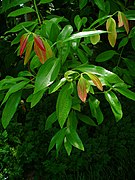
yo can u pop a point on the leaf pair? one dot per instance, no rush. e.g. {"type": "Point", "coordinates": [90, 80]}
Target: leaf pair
{"type": "Point", "coordinates": [41, 48]}
{"type": "Point", "coordinates": [82, 86]}
{"type": "Point", "coordinates": [111, 27]}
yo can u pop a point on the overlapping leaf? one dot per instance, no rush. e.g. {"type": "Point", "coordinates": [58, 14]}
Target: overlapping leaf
{"type": "Point", "coordinates": [82, 89]}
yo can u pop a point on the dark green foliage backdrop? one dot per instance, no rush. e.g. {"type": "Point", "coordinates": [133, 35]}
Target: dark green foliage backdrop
{"type": "Point", "coordinates": [109, 147]}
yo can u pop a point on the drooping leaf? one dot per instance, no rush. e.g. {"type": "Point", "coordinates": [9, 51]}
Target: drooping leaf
{"type": "Point", "coordinates": [126, 92]}
{"type": "Point", "coordinates": [95, 109]}
{"type": "Point", "coordinates": [74, 139]}
{"type": "Point", "coordinates": [86, 119]}
{"type": "Point", "coordinates": [40, 53]}
{"type": "Point", "coordinates": [122, 20]}
{"type": "Point", "coordinates": [57, 139]}
{"type": "Point", "coordinates": [64, 103]}
{"type": "Point", "coordinates": [82, 89]}
{"type": "Point", "coordinates": [36, 97]}
{"type": "Point", "coordinates": [50, 120]}
{"type": "Point", "coordinates": [28, 52]}
{"type": "Point", "coordinates": [39, 42]}
{"type": "Point", "coordinates": [47, 74]}
{"type": "Point", "coordinates": [21, 11]}
{"type": "Point", "coordinates": [111, 28]}
{"type": "Point", "coordinates": [67, 146]}
{"type": "Point", "coordinates": [23, 42]}
{"type": "Point", "coordinates": [95, 80]}
{"type": "Point", "coordinates": [115, 105]}
{"type": "Point", "coordinates": [106, 55]}
{"type": "Point", "coordinates": [10, 108]}
{"type": "Point", "coordinates": [14, 89]}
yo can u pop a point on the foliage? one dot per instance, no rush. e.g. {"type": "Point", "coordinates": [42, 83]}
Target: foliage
{"type": "Point", "coordinates": [70, 57]}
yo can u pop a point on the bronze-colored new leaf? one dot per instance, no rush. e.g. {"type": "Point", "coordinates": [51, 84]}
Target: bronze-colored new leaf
{"type": "Point", "coordinates": [111, 28]}
{"type": "Point", "coordinates": [82, 89]}
{"type": "Point", "coordinates": [96, 81]}
{"type": "Point", "coordinates": [123, 21]}
{"type": "Point", "coordinates": [28, 52]}
{"type": "Point", "coordinates": [23, 42]}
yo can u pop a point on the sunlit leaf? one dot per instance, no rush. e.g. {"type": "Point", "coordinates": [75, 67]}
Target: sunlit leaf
{"type": "Point", "coordinates": [95, 80]}
{"type": "Point", "coordinates": [111, 28]}
{"type": "Point", "coordinates": [40, 53]}
{"type": "Point", "coordinates": [115, 104]}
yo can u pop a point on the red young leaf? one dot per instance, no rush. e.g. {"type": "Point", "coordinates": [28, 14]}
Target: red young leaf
{"type": "Point", "coordinates": [23, 42]}
{"type": "Point", "coordinates": [28, 51]}
{"type": "Point", "coordinates": [40, 53]}
{"type": "Point", "coordinates": [81, 89]}
{"type": "Point", "coordinates": [38, 41]}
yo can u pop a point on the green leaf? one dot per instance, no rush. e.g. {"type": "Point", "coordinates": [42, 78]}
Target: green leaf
{"type": "Point", "coordinates": [45, 1]}
{"type": "Point", "coordinates": [57, 85]}
{"type": "Point", "coordinates": [35, 63]}
{"type": "Point", "coordinates": [65, 33]}
{"type": "Point", "coordinates": [95, 109]}
{"type": "Point", "coordinates": [21, 11]}
{"type": "Point", "coordinates": [100, 4]}
{"type": "Point", "coordinates": [36, 97]}
{"type": "Point", "coordinates": [64, 51]}
{"type": "Point", "coordinates": [82, 3]}
{"type": "Point", "coordinates": [123, 42]}
{"type": "Point", "coordinates": [10, 108]}
{"type": "Point", "coordinates": [20, 26]}
{"type": "Point", "coordinates": [126, 92]}
{"type": "Point", "coordinates": [72, 120]}
{"type": "Point", "coordinates": [111, 28]}
{"type": "Point", "coordinates": [67, 146]}
{"type": "Point", "coordinates": [95, 39]}
{"type": "Point", "coordinates": [115, 105]}
{"type": "Point", "coordinates": [100, 20]}
{"type": "Point", "coordinates": [105, 56]}
{"type": "Point", "coordinates": [82, 56]}
{"type": "Point", "coordinates": [14, 89]}
{"type": "Point", "coordinates": [74, 139]}
{"type": "Point", "coordinates": [100, 71]}
{"type": "Point", "coordinates": [50, 120]}
{"type": "Point", "coordinates": [64, 103]}
{"type": "Point", "coordinates": [84, 34]}
{"type": "Point", "coordinates": [78, 22]}
{"type": "Point", "coordinates": [57, 139]}
{"type": "Point", "coordinates": [86, 119]}
{"type": "Point", "coordinates": [47, 74]}
{"type": "Point", "coordinates": [54, 32]}
{"type": "Point", "coordinates": [24, 73]}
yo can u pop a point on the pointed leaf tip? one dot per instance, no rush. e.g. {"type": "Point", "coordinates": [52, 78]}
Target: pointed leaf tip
{"type": "Point", "coordinates": [38, 41]}
{"type": "Point", "coordinates": [23, 42]}
{"type": "Point", "coordinates": [81, 89]}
